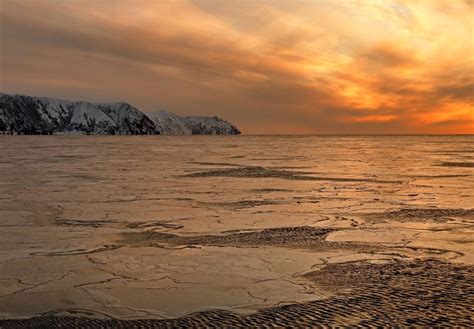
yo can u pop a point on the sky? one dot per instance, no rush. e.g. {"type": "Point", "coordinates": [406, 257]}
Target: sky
{"type": "Point", "coordinates": [269, 66]}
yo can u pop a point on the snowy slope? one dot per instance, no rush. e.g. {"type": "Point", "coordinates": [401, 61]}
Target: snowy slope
{"type": "Point", "coordinates": [127, 118]}
{"type": "Point", "coordinates": [87, 117]}
{"type": "Point", "coordinates": [211, 126]}
{"type": "Point", "coordinates": [168, 123]}
{"type": "Point", "coordinates": [22, 114]}
{"type": "Point", "coordinates": [39, 115]}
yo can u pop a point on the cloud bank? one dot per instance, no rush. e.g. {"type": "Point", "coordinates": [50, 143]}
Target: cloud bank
{"type": "Point", "coordinates": [270, 66]}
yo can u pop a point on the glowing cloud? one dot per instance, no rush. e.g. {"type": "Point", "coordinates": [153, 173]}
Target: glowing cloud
{"type": "Point", "coordinates": [274, 66]}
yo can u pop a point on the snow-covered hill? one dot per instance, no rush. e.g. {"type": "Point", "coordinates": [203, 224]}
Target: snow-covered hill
{"type": "Point", "coordinates": [211, 126]}
{"type": "Point", "coordinates": [168, 123]}
{"type": "Point", "coordinates": [20, 114]}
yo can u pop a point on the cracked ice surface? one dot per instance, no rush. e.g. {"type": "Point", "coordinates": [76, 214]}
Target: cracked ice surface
{"type": "Point", "coordinates": [157, 227]}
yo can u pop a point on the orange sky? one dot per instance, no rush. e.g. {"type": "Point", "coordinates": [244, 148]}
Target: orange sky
{"type": "Point", "coordinates": [269, 66]}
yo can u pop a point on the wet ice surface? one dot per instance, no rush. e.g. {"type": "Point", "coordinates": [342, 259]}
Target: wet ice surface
{"type": "Point", "coordinates": [159, 227]}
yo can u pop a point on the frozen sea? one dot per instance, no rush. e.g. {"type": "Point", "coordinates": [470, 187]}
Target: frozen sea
{"type": "Point", "coordinates": [158, 227]}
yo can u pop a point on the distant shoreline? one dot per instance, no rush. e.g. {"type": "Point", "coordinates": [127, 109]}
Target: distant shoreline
{"type": "Point", "coordinates": [246, 135]}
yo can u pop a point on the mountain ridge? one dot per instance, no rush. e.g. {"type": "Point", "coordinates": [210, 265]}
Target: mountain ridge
{"type": "Point", "coordinates": [31, 115]}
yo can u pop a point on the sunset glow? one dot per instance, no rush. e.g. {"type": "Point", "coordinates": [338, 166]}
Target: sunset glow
{"type": "Point", "coordinates": [313, 66]}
